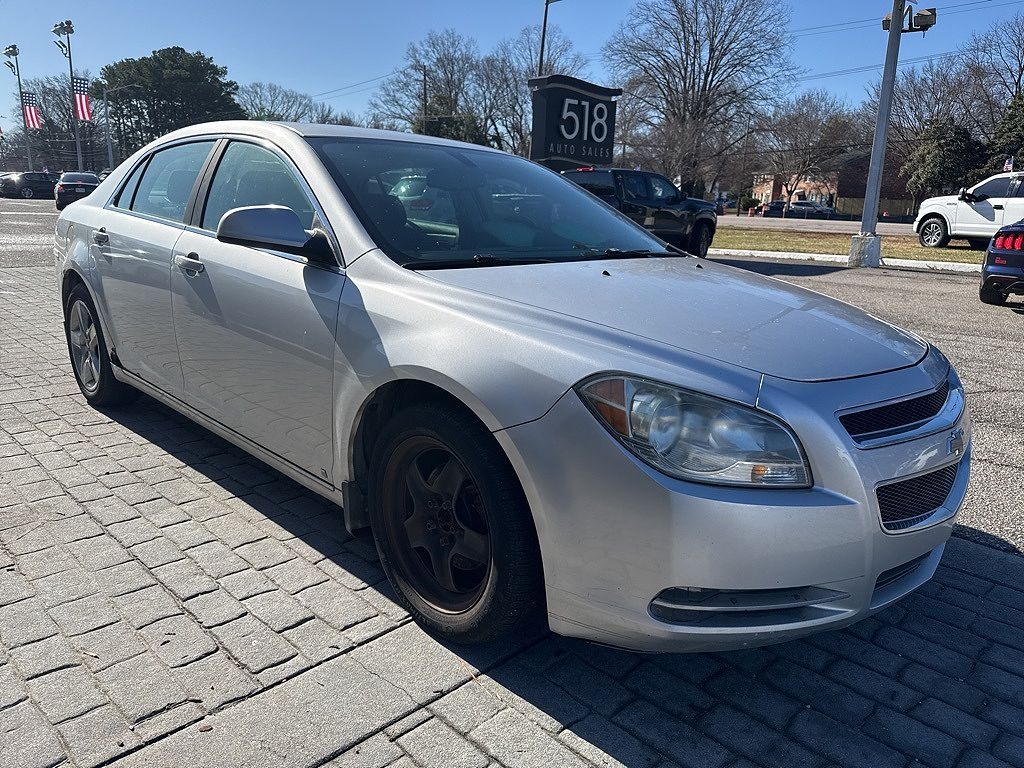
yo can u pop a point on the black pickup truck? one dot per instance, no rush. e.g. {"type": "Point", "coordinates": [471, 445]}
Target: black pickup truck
{"type": "Point", "coordinates": [653, 202]}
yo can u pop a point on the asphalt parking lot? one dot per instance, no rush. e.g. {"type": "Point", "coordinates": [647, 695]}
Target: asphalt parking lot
{"type": "Point", "coordinates": [166, 600]}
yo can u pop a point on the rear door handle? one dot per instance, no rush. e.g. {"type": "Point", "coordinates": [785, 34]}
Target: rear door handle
{"type": "Point", "coordinates": [190, 263]}
{"type": "Point", "coordinates": [100, 236]}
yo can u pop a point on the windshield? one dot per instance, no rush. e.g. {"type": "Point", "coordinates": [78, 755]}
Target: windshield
{"type": "Point", "coordinates": [82, 178]}
{"type": "Point", "coordinates": [433, 203]}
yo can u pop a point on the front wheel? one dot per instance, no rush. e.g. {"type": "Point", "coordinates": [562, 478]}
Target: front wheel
{"type": "Point", "coordinates": [26, 193]}
{"type": "Point", "coordinates": [934, 233]}
{"type": "Point", "coordinates": [452, 526]}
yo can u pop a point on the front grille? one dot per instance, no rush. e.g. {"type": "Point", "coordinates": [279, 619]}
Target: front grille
{"type": "Point", "coordinates": [907, 502]}
{"type": "Point", "coordinates": [895, 417]}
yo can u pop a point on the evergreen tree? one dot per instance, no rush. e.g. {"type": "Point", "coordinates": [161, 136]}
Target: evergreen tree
{"type": "Point", "coordinates": [944, 158]}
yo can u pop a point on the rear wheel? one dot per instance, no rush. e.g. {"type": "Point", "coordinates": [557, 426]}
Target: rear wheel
{"type": "Point", "coordinates": [933, 233]}
{"type": "Point", "coordinates": [700, 239]}
{"type": "Point", "coordinates": [452, 527]}
{"type": "Point", "coordinates": [26, 192]}
{"type": "Point", "coordinates": [990, 296]}
{"type": "Point", "coordinates": [88, 352]}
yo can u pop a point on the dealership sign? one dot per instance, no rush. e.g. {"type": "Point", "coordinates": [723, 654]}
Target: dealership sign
{"type": "Point", "coordinates": [573, 122]}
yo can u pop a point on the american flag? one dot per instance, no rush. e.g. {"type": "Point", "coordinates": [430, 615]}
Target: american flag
{"type": "Point", "coordinates": [1008, 165]}
{"type": "Point", "coordinates": [30, 106]}
{"type": "Point", "coordinates": [82, 109]}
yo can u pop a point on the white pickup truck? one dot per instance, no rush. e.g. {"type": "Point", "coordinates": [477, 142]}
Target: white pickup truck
{"type": "Point", "coordinates": [974, 214]}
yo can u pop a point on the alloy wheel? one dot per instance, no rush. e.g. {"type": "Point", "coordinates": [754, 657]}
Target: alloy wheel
{"type": "Point", "coordinates": [27, 192]}
{"type": "Point", "coordinates": [436, 524]}
{"type": "Point", "coordinates": [931, 233]}
{"type": "Point", "coordinates": [85, 345]}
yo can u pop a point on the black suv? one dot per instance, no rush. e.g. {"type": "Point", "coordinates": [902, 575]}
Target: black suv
{"type": "Point", "coordinates": [653, 202]}
{"type": "Point", "coordinates": [28, 184]}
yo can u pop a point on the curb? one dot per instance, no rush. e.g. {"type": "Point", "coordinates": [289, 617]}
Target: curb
{"type": "Point", "coordinates": [930, 266]}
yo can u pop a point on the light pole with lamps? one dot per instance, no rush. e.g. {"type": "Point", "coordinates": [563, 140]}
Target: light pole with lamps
{"type": "Point", "coordinates": [66, 29]}
{"type": "Point", "coordinates": [106, 118]}
{"type": "Point", "coordinates": [11, 52]}
{"type": "Point", "coordinates": [543, 38]}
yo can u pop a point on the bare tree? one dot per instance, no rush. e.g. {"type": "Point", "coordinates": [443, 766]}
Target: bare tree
{"type": "Point", "coordinates": [803, 133]}
{"type": "Point", "coordinates": [433, 91]}
{"type": "Point", "coordinates": [270, 101]}
{"type": "Point", "coordinates": [504, 96]}
{"type": "Point", "coordinates": [705, 66]}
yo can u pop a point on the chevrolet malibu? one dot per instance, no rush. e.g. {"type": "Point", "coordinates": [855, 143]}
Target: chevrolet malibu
{"type": "Point", "coordinates": [539, 410]}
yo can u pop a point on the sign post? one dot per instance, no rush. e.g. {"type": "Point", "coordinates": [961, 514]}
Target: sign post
{"type": "Point", "coordinates": [573, 122]}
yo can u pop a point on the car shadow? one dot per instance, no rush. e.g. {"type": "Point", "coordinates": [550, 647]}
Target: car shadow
{"type": "Point", "coordinates": [937, 675]}
{"type": "Point", "coordinates": [775, 268]}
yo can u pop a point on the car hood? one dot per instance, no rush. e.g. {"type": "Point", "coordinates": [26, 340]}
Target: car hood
{"type": "Point", "coordinates": [730, 315]}
{"type": "Point", "coordinates": [941, 200]}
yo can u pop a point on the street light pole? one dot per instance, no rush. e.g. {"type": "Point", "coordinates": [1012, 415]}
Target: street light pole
{"type": "Point", "coordinates": [866, 248]}
{"type": "Point", "coordinates": [66, 28]}
{"type": "Point", "coordinates": [11, 52]}
{"type": "Point", "coordinates": [543, 38]}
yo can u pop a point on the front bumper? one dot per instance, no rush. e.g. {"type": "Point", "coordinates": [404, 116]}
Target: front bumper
{"type": "Point", "coordinates": [616, 534]}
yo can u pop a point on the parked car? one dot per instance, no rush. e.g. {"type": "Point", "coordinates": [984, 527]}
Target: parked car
{"type": "Point", "coordinates": [73, 186]}
{"type": "Point", "coordinates": [27, 184]}
{"type": "Point", "coordinates": [773, 208]}
{"type": "Point", "coordinates": [974, 214]}
{"type": "Point", "coordinates": [546, 413]}
{"type": "Point", "coordinates": [1002, 273]}
{"type": "Point", "coordinates": [809, 209]}
{"type": "Point", "coordinates": [653, 202]}
{"type": "Point", "coordinates": [422, 202]}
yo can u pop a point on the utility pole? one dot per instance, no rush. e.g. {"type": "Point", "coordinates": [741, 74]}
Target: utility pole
{"type": "Point", "coordinates": [866, 248]}
{"type": "Point", "coordinates": [106, 118]}
{"type": "Point", "coordinates": [423, 72]}
{"type": "Point", "coordinates": [543, 38]}
{"type": "Point", "coordinates": [11, 52]}
{"type": "Point", "coordinates": [67, 29]}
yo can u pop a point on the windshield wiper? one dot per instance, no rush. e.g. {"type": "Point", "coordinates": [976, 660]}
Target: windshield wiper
{"type": "Point", "coordinates": [480, 260]}
{"type": "Point", "coordinates": [596, 254]}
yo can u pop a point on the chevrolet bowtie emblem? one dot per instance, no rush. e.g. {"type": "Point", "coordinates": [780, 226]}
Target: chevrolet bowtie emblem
{"type": "Point", "coordinates": [955, 443]}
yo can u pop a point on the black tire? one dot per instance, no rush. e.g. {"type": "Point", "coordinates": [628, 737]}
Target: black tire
{"type": "Point", "coordinates": [27, 193]}
{"type": "Point", "coordinates": [101, 390]}
{"type": "Point", "coordinates": [989, 296]}
{"type": "Point", "coordinates": [491, 598]}
{"type": "Point", "coordinates": [60, 206]}
{"type": "Point", "coordinates": [977, 244]}
{"type": "Point", "coordinates": [933, 232]}
{"type": "Point", "coordinates": [700, 239]}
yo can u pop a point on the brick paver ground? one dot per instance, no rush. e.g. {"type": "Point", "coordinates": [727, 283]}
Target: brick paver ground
{"type": "Point", "coordinates": [166, 600]}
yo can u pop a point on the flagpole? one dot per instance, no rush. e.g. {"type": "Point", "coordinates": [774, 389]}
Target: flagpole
{"type": "Point", "coordinates": [11, 51]}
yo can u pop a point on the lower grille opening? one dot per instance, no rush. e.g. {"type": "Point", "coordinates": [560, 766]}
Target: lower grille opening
{"type": "Point", "coordinates": [743, 608]}
{"type": "Point", "coordinates": [891, 576]}
{"type": "Point", "coordinates": [906, 503]}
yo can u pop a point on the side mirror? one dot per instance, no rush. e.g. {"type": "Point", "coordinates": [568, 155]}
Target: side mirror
{"type": "Point", "coordinates": [277, 228]}
{"type": "Point", "coordinates": [964, 195]}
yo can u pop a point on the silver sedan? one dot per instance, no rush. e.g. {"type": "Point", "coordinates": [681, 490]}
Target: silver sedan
{"type": "Point", "coordinates": [541, 411]}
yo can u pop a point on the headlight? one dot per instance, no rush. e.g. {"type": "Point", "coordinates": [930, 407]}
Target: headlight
{"type": "Point", "coordinates": [697, 437]}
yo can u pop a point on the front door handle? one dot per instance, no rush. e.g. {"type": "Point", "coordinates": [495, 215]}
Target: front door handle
{"type": "Point", "coordinates": [190, 263]}
{"type": "Point", "coordinates": [100, 236]}
{"type": "Point", "coordinates": [997, 207]}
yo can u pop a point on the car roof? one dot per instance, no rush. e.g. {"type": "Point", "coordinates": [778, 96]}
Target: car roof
{"type": "Point", "coordinates": [270, 129]}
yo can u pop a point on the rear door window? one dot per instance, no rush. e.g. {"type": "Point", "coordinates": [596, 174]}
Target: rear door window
{"type": "Point", "coordinates": [634, 188]}
{"type": "Point", "coordinates": [166, 184]}
{"type": "Point", "coordinates": [124, 197]}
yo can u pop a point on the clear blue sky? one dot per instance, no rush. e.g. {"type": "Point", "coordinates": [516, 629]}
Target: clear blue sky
{"type": "Point", "coordinates": [320, 45]}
